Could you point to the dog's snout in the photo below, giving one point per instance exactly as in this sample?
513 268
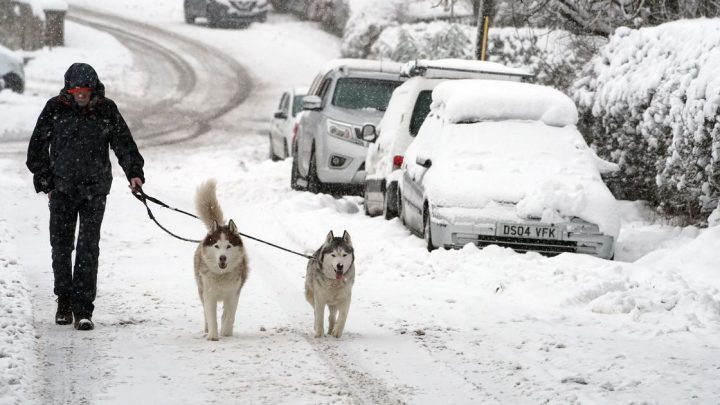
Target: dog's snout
340 266
223 258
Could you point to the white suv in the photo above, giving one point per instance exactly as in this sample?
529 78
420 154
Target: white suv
408 107
328 151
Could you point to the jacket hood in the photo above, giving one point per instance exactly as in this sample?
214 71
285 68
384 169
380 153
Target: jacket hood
83 75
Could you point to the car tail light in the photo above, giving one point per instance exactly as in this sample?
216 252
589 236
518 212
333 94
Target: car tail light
397 162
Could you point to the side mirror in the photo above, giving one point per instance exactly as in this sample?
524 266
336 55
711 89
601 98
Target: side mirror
423 161
369 133
312 103
280 115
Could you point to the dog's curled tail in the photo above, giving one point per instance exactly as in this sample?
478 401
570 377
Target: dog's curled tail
207 205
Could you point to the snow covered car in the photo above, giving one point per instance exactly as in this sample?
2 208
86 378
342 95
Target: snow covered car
283 123
346 95
12 72
408 107
503 163
217 12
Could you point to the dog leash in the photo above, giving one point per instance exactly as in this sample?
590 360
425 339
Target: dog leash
144 198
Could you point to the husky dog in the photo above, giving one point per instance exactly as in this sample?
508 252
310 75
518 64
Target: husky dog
329 280
221 266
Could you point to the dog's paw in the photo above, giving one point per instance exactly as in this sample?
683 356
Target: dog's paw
226 332
212 336
318 334
336 334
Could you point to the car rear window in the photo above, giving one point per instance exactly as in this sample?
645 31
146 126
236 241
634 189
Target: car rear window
421 111
357 93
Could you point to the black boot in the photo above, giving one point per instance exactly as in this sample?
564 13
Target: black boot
64 315
84 323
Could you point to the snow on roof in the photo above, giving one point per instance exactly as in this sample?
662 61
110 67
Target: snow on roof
363 64
492 100
441 68
301 90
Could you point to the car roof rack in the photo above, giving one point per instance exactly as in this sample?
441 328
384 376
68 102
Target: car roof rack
363 65
460 68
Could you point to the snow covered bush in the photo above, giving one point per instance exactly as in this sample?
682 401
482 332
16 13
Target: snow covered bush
368 19
553 55
650 102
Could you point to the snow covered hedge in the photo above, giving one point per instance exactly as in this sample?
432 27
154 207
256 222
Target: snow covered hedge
555 56
650 101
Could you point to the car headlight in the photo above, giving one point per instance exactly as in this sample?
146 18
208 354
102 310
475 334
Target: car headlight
340 130
578 225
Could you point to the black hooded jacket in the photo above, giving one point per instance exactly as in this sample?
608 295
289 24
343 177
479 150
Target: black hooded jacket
69 151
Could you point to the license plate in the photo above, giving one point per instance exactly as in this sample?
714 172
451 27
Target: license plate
527 231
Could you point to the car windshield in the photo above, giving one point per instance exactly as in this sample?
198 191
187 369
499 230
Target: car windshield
358 93
297 104
421 111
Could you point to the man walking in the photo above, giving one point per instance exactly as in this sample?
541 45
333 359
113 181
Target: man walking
69 157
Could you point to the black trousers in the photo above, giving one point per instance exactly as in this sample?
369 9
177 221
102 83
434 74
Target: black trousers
79 285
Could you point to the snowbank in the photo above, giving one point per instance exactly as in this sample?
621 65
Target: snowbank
17 333
651 101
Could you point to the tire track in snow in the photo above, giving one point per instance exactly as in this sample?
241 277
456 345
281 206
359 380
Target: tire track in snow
209 85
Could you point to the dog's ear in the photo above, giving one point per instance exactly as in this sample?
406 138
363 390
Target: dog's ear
214 227
346 238
232 226
329 238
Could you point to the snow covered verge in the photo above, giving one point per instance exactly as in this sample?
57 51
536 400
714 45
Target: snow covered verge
44 75
552 55
651 101
18 360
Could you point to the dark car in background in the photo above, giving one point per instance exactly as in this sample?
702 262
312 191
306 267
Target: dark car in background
12 72
221 12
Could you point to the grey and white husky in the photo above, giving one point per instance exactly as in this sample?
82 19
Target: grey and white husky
329 280
221 266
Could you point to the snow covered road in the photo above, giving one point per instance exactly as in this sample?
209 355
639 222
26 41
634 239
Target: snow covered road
454 327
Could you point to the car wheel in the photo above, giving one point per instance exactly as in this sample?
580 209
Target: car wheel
314 184
401 212
14 83
365 203
295 176
272 154
189 18
391 192
426 231
213 20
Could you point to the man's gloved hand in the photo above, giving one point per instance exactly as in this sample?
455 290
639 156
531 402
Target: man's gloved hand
135 183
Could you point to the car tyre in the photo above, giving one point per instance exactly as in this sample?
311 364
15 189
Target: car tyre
14 83
391 190
365 203
401 212
427 235
213 20
189 18
294 176
314 184
272 154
